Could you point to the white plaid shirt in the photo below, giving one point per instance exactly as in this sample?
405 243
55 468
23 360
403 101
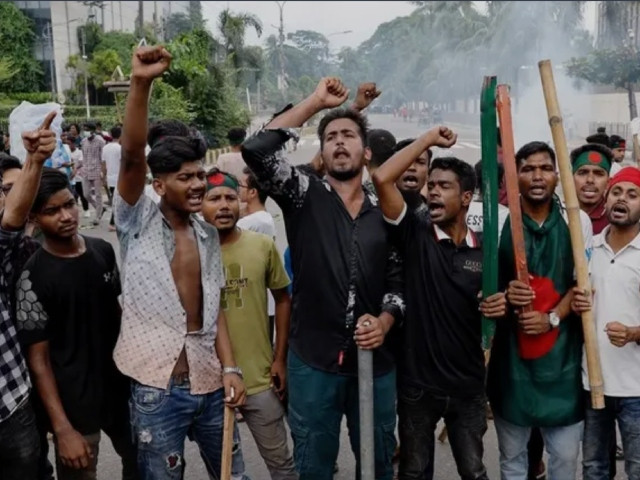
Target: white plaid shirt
154 326
14 376
92 157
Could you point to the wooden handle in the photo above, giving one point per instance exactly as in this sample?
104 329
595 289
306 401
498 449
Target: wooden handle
513 191
575 229
227 443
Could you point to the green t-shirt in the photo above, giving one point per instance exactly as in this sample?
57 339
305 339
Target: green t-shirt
251 265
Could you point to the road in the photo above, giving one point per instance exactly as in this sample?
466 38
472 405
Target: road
468 149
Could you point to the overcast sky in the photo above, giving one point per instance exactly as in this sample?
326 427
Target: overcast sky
361 18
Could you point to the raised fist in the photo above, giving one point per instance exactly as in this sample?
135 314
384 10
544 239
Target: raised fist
442 137
367 93
41 143
331 92
150 62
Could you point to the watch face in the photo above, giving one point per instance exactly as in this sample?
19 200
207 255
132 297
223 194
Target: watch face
554 320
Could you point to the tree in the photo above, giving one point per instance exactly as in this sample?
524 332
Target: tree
169 102
101 67
17 39
233 29
122 43
619 67
7 71
177 24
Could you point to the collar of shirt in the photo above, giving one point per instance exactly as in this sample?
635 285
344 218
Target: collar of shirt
601 241
469 239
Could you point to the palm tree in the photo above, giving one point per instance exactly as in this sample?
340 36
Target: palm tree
233 28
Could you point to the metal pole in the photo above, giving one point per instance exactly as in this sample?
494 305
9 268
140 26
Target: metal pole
365 397
281 47
86 80
140 17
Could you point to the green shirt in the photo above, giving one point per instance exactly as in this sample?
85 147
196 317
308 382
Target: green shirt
252 265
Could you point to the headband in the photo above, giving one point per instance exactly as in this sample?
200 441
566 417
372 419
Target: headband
221 179
622 143
627 174
591 157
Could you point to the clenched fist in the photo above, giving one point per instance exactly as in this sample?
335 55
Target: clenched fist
40 143
150 62
367 93
331 92
442 137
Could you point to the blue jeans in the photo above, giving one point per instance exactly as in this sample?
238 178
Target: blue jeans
418 414
162 420
562 445
19 445
317 403
599 428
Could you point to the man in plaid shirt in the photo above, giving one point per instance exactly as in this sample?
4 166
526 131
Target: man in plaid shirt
19 441
94 169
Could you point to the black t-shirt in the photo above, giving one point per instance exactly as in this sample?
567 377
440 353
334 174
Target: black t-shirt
441 349
73 304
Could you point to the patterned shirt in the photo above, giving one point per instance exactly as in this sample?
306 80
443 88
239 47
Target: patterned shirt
92 157
343 267
14 376
154 327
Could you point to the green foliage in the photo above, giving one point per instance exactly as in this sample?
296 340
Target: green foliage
120 42
168 102
177 24
14 99
16 47
618 67
102 65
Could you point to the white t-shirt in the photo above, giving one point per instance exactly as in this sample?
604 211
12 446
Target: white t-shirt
76 159
475 217
111 154
616 279
261 222
151 193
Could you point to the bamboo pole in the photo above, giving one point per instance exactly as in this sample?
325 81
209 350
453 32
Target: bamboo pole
577 242
227 443
513 190
365 402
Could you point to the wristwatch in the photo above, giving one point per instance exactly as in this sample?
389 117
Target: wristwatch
554 319
230 370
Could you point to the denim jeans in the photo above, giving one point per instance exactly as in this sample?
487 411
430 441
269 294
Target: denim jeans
317 403
418 414
163 419
19 445
562 445
599 428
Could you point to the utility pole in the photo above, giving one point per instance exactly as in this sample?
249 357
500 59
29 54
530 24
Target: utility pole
282 77
86 80
140 17
48 36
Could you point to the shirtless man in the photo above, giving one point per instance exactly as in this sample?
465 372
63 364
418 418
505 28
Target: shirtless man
174 342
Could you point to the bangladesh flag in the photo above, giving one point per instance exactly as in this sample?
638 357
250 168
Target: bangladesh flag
535 380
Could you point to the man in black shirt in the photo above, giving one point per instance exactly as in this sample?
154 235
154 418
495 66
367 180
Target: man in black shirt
68 319
442 370
346 284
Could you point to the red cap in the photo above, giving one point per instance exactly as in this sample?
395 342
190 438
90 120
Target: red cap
627 174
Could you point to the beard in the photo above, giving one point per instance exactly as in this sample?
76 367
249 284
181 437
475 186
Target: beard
344 175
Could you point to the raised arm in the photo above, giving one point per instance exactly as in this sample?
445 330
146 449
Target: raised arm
40 145
147 63
385 176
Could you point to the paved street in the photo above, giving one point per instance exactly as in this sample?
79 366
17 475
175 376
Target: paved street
468 148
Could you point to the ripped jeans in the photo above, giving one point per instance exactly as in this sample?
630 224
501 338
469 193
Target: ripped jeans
163 419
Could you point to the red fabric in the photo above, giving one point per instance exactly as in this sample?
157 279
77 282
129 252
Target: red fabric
536 346
627 174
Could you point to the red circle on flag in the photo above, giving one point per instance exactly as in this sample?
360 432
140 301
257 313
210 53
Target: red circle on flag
595 157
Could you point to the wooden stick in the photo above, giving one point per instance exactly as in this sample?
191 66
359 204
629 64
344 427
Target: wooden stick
513 191
636 150
575 228
227 443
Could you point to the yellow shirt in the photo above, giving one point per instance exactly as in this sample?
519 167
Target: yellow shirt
252 265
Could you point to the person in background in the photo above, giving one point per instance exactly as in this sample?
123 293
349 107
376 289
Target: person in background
111 155
618 146
93 168
256 216
232 162
475 215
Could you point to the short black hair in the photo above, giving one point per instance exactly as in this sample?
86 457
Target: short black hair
91 126
615 139
382 144
408 141
236 136
464 171
115 132
252 182
98 124
169 153
532 148
591 147
166 128
51 182
8 162
349 113
478 169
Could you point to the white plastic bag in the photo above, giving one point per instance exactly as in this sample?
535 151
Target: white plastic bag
28 116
